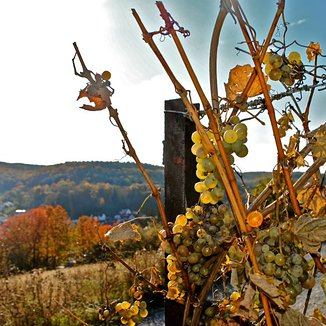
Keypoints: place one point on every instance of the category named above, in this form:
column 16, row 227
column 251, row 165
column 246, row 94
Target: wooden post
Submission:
column 179, row 177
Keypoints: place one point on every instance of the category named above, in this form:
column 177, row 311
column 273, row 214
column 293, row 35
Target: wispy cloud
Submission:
column 298, row 22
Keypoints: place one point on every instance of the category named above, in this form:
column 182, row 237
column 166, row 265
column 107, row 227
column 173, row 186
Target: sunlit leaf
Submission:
column 238, row 79
column 310, row 231
column 313, row 50
column 123, row 231
column 319, row 147
column 313, row 199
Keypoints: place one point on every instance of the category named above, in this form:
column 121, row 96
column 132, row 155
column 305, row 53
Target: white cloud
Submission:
column 298, row 22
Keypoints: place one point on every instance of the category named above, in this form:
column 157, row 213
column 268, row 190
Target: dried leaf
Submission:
column 98, row 95
column 238, row 79
column 313, row 199
column 293, row 317
column 313, row 50
column 319, row 147
column 123, row 231
column 246, row 308
column 310, row 231
column 268, row 285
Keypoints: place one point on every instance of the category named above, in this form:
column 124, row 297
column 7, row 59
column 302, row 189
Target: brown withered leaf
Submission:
column 293, row 317
column 319, row 147
column 246, row 308
column 268, row 285
column 311, row 231
column 123, row 231
column 238, row 79
column 313, row 50
column 312, row 198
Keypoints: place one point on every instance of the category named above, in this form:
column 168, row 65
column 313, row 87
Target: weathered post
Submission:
column 179, row 177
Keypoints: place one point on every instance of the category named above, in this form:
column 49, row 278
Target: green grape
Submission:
column 208, row 165
column 222, row 209
column 268, row 68
column 275, row 74
column 210, row 311
column 269, row 269
column 200, row 186
column 217, row 193
column 205, row 197
column 204, row 271
column 297, row 271
column 211, row 181
column 309, row 283
column 296, row 259
column 234, row 119
column 279, row 272
column 294, row 57
column 243, row 151
column 265, row 248
column 269, row 256
column 227, row 147
column 201, row 174
column 288, row 81
column 207, row 251
column 258, row 249
column 196, row 268
column 230, row 159
column 195, row 137
column 183, row 250
column 230, row 136
column 214, row 218
column 273, row 232
column 279, row 259
column 177, row 239
column 193, row 258
column 275, row 60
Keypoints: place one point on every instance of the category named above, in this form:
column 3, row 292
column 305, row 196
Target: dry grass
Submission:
column 38, row 298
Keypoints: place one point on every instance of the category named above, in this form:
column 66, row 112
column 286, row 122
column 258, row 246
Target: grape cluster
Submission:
column 198, row 235
column 285, row 69
column 210, row 185
column 131, row 313
column 280, row 258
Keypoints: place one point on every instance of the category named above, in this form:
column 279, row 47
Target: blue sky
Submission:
column 40, row 119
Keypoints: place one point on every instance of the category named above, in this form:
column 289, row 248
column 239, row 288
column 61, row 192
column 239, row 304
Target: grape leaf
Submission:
column 313, row 50
column 319, row 147
column 238, row 79
column 293, row 317
column 312, row 198
column 268, row 285
column 123, row 231
column 311, row 231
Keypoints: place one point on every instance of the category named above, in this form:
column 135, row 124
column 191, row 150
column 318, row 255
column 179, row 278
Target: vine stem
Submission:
column 131, row 152
column 213, row 52
column 210, row 114
column 270, row 109
column 129, row 268
column 208, row 146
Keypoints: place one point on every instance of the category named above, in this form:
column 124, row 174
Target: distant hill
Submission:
column 82, row 188
column 85, row 188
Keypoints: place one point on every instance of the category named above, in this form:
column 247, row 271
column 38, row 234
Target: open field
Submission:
column 47, row 297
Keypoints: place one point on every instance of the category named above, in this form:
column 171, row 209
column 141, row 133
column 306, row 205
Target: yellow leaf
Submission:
column 312, row 198
column 313, row 50
column 238, row 79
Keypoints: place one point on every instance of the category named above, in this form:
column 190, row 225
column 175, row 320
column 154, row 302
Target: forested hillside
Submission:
column 86, row 188
column 90, row 188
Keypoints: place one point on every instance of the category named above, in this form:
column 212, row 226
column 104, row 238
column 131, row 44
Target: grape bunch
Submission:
column 210, row 186
column 285, row 69
column 197, row 235
column 131, row 313
column 280, row 258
